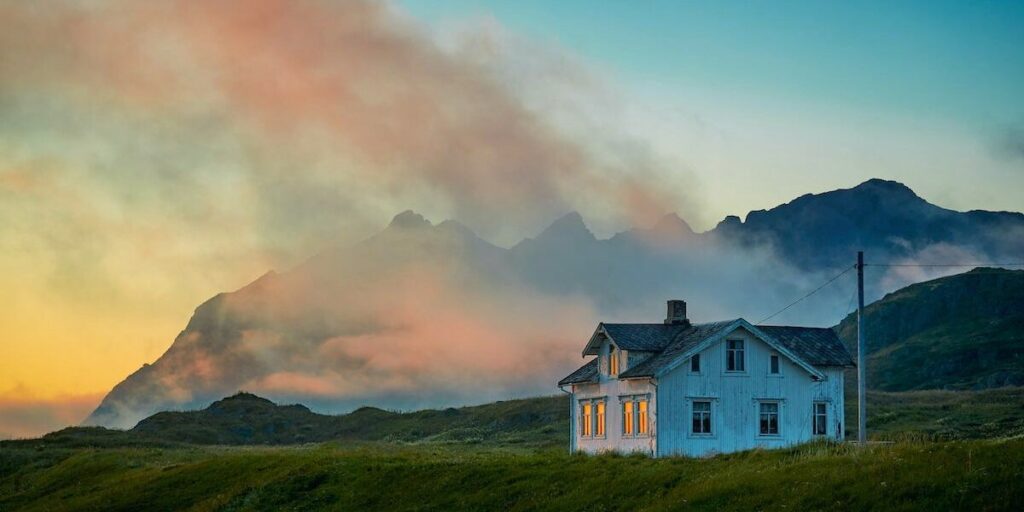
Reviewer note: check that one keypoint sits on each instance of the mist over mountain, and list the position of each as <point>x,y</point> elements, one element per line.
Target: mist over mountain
<point>429,315</point>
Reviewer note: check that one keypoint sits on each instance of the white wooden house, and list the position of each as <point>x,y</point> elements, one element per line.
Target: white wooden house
<point>676,388</point>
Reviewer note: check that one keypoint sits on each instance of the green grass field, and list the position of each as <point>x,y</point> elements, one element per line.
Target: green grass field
<point>954,450</point>
<point>951,475</point>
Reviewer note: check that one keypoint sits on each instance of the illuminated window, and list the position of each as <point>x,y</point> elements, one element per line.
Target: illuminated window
<point>613,361</point>
<point>820,419</point>
<point>641,417</point>
<point>586,420</point>
<point>774,366</point>
<point>599,418</point>
<point>701,418</point>
<point>734,356</point>
<point>769,414</point>
<point>627,417</point>
<point>695,363</point>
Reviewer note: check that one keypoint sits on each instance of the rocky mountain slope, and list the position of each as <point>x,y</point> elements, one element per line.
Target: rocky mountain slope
<point>959,332</point>
<point>431,315</point>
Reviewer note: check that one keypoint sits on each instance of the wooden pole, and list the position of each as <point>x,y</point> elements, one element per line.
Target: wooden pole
<point>862,406</point>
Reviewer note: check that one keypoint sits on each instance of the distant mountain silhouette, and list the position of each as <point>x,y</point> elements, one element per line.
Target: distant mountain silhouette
<point>425,315</point>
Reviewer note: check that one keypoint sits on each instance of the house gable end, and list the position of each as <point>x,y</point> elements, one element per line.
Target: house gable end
<point>724,333</point>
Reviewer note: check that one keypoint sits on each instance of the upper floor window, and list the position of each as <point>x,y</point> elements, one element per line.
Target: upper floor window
<point>819,422</point>
<point>695,363</point>
<point>774,365</point>
<point>734,356</point>
<point>701,417</point>
<point>769,419</point>
<point>613,361</point>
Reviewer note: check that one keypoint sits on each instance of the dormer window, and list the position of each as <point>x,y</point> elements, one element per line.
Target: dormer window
<point>613,361</point>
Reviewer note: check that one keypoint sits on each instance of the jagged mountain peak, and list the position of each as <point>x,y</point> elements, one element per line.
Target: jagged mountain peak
<point>672,224</point>
<point>569,226</point>
<point>409,220</point>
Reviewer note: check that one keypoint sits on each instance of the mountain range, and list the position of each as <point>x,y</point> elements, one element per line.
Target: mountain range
<point>425,315</point>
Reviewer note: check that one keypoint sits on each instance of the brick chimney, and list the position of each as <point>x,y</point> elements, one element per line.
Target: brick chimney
<point>676,312</point>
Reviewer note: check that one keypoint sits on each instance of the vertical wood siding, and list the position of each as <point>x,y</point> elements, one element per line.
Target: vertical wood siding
<point>735,402</point>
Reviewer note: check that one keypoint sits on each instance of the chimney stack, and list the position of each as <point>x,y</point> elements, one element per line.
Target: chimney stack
<point>676,312</point>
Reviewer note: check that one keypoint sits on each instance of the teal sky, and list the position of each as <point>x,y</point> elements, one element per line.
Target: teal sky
<point>961,60</point>
<point>921,92</point>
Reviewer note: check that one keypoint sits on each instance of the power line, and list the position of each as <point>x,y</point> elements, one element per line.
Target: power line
<point>812,292</point>
<point>980,264</point>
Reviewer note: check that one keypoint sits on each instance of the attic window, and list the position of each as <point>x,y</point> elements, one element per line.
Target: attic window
<point>734,356</point>
<point>774,367</point>
<point>695,363</point>
<point>613,361</point>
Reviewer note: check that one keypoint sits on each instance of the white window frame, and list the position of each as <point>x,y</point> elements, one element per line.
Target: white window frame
<point>592,402</point>
<point>815,416</point>
<point>743,356</point>
<point>778,418</point>
<point>710,417</point>
<point>634,416</point>
<point>613,361</point>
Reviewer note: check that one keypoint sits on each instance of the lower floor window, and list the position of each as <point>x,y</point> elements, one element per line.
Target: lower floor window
<point>701,418</point>
<point>586,419</point>
<point>592,418</point>
<point>820,422</point>
<point>634,416</point>
<point>769,415</point>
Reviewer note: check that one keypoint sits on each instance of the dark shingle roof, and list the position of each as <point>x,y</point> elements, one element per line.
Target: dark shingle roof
<point>585,373</point>
<point>815,346</point>
<point>644,337</point>
<point>685,340</point>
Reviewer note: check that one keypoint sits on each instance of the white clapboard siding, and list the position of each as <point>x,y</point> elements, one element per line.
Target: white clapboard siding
<point>735,399</point>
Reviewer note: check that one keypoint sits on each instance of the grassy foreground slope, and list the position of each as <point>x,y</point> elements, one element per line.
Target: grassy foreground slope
<point>957,475</point>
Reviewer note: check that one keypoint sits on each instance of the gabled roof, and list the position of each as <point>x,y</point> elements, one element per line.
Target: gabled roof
<point>671,344</point>
<point>639,337</point>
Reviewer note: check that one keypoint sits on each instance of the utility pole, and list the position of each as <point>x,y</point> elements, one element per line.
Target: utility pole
<point>862,399</point>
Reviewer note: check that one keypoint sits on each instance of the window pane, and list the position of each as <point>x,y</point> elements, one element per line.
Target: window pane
<point>641,417</point>
<point>701,418</point>
<point>599,429</point>
<point>730,360</point>
<point>627,417</point>
<point>775,364</point>
<point>695,363</point>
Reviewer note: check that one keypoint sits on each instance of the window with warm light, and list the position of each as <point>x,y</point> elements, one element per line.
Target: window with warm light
<point>627,418</point>
<point>641,417</point>
<point>586,420</point>
<point>613,361</point>
<point>599,418</point>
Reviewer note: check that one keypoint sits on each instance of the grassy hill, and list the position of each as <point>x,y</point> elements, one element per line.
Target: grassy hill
<point>959,332</point>
<point>246,419</point>
<point>962,475</point>
<point>531,423</point>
